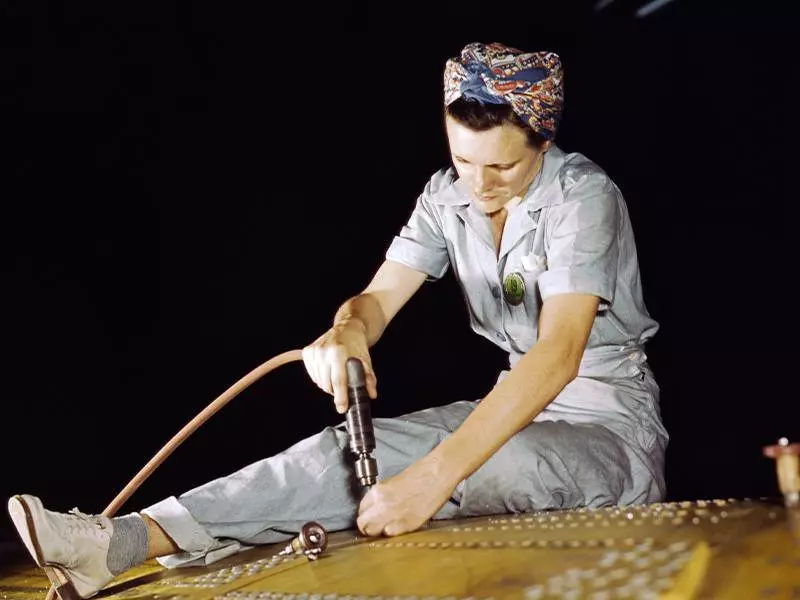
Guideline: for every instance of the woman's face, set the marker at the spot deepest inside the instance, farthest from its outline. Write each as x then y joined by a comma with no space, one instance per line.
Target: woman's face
494,165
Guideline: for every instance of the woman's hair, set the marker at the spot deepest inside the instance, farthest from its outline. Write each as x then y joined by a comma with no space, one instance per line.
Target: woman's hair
480,117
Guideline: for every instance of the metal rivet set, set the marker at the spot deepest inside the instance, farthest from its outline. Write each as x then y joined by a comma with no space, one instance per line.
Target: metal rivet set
639,573
597,554
666,513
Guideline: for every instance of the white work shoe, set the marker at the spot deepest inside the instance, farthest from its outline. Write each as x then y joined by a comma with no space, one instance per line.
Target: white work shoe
71,548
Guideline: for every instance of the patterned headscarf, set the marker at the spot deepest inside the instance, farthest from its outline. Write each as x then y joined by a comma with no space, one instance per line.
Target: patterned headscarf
531,83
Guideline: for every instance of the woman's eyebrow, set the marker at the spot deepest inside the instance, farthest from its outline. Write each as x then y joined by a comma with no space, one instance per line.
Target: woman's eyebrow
504,164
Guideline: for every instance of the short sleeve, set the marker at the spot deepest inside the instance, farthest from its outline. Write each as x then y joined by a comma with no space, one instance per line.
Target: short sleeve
583,236
421,244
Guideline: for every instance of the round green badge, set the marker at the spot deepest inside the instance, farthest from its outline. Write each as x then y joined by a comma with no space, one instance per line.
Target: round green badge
514,288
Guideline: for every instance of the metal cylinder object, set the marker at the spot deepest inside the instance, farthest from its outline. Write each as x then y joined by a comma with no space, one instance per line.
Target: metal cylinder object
313,538
311,541
359,423
787,462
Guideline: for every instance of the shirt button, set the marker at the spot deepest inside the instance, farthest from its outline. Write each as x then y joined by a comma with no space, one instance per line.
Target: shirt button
500,336
495,291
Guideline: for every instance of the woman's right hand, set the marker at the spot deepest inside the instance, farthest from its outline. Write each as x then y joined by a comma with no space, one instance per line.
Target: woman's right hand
325,360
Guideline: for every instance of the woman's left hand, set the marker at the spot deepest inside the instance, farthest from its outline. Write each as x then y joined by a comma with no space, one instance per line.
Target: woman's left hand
404,502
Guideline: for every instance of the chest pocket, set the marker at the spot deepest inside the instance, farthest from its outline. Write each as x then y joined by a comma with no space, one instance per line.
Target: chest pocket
527,262
529,259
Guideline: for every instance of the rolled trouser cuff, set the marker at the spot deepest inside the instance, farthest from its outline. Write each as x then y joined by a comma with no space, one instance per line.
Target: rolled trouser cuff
197,546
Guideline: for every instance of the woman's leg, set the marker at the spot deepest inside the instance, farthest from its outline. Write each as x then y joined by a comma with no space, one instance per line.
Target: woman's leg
270,500
559,465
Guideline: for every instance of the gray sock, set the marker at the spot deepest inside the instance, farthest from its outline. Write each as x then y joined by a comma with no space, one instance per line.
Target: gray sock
129,543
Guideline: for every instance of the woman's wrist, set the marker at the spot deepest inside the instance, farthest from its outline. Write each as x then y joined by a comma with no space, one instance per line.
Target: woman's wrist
445,466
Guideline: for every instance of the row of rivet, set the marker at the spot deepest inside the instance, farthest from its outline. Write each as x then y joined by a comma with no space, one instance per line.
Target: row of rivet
235,595
228,574
607,543
584,524
615,518
644,509
641,553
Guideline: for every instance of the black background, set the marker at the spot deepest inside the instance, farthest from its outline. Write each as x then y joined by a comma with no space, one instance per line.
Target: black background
189,189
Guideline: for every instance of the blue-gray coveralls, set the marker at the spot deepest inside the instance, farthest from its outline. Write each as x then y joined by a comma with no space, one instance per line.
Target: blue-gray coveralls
599,442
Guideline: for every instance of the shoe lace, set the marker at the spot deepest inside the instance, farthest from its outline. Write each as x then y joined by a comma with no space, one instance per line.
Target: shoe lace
83,524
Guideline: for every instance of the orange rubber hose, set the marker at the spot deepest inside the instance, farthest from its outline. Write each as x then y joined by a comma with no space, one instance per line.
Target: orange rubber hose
192,426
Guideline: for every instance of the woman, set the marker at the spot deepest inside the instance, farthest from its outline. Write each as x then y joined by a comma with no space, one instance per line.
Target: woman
542,247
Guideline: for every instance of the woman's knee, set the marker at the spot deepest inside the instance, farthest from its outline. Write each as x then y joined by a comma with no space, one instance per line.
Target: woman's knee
550,465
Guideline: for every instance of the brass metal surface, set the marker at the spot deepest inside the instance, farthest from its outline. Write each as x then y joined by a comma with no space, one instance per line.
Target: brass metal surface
678,550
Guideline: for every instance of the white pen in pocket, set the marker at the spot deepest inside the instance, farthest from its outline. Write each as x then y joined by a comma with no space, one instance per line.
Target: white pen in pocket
534,262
